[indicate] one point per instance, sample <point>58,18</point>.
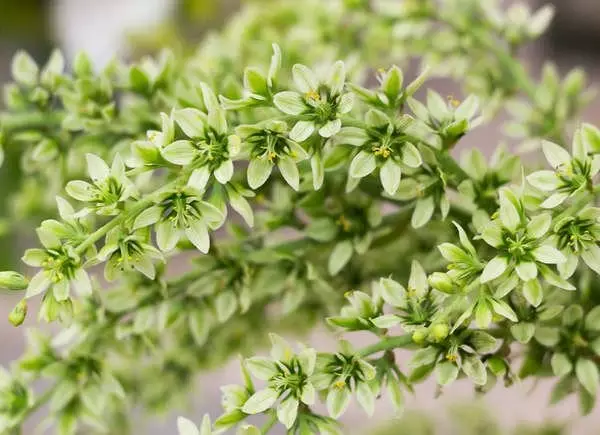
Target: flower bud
<point>13,281</point>
<point>419,335</point>
<point>439,331</point>
<point>18,314</point>
<point>441,282</point>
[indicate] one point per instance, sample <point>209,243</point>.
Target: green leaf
<point>260,401</point>
<point>392,83</point>
<point>256,81</point>
<point>587,375</point>
<point>340,256</point>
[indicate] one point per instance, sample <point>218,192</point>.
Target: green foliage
<point>306,191</point>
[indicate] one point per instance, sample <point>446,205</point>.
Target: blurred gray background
<point>101,28</point>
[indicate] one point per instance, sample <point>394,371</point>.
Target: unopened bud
<point>18,314</point>
<point>442,282</point>
<point>439,331</point>
<point>419,336</point>
<point>13,281</point>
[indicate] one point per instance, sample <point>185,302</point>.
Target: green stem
<point>10,122</point>
<point>270,423</point>
<point>390,343</point>
<point>134,211</point>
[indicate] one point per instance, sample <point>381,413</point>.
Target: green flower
<point>342,373</point>
<point>15,402</point>
<point>520,244</point>
<point>110,187</point>
<point>486,179</point>
<point>181,212</point>
<point>429,192</point>
<point>578,236</point>
<point>288,378</point>
<point>209,149</point>
<point>61,268</point>
<point>414,306</point>
<point>319,104</point>
<point>384,144</point>
<point>570,176</point>
<point>269,146</point>
<point>73,228</point>
<point>458,352</point>
<point>128,252</point>
<point>449,119</point>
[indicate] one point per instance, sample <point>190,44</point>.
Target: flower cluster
<point>349,206</point>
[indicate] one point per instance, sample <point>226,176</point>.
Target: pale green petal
<point>224,172</point>
<point>97,168</point>
<point>289,172</point>
<point>197,233</point>
<point>167,236</point>
<point>259,171</point>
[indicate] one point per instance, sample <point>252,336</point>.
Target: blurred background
<point>126,28</point>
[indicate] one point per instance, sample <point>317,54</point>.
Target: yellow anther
<point>313,95</point>
<point>451,357</point>
<point>339,384</point>
<point>453,101</point>
<point>271,156</point>
<point>344,223</point>
<point>381,151</point>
